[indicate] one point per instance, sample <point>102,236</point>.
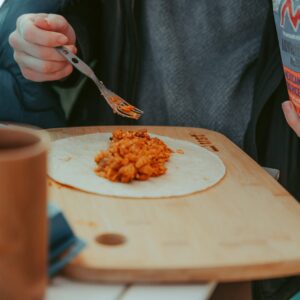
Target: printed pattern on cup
<point>287,20</point>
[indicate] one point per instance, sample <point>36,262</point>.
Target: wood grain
<point>246,227</point>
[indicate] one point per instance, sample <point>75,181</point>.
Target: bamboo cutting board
<point>245,227</point>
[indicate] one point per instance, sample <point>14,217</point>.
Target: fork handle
<point>76,61</point>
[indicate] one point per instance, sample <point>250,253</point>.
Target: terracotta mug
<point>23,220</point>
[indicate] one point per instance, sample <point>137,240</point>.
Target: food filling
<point>132,155</point>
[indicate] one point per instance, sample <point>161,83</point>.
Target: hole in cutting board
<point>111,239</point>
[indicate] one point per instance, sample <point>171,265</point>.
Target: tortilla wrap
<point>71,162</point>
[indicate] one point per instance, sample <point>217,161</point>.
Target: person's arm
<point>291,116</point>
<point>34,42</point>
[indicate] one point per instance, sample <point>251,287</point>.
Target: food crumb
<point>179,151</point>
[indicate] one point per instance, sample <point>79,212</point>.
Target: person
<point>143,50</point>
<point>212,64</point>
<point>40,62</point>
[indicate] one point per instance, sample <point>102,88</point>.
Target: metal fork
<point>118,104</point>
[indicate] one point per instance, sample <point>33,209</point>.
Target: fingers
<point>291,116</point>
<point>35,35</point>
<point>42,77</point>
<point>40,52</point>
<point>34,42</point>
<point>35,64</point>
<point>56,23</point>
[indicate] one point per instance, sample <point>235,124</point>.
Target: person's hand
<point>33,43</point>
<point>291,116</point>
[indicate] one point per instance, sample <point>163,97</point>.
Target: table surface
<point>234,235</point>
<point>64,289</point>
<point>61,288</point>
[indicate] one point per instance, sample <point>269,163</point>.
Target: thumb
<point>57,23</point>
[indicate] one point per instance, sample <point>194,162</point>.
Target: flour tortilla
<point>71,162</point>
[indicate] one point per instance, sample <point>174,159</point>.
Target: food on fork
<point>132,155</point>
<point>125,109</point>
<point>118,104</point>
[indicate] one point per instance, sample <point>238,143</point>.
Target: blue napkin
<point>63,244</point>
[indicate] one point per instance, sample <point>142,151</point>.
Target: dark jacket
<point>23,101</point>
<point>269,140</point>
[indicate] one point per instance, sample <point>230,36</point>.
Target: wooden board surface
<point>245,227</point>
